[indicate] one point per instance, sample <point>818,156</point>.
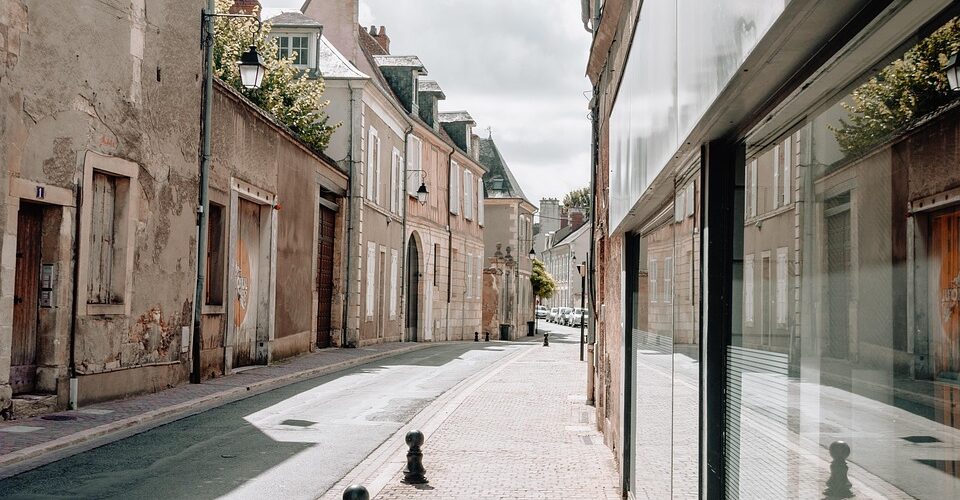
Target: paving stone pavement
<point>525,434</point>
<point>31,438</point>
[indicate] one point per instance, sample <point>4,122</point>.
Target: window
<point>371,277</point>
<point>752,189</point>
<point>414,160</point>
<point>480,201</point>
<point>748,290</point>
<point>668,280</point>
<point>300,45</point>
<point>468,266</point>
<point>679,203</point>
<point>373,165</point>
<point>393,282</point>
<point>653,281</point>
<point>215,256</point>
<point>479,276</point>
<point>454,187</point>
<point>690,201</point>
<point>105,277</point>
<point>782,279</point>
<point>467,194</point>
<point>786,176</point>
<point>396,189</point>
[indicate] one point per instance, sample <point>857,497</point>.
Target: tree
<point>286,93</point>
<point>578,198</point>
<point>901,93</point>
<point>542,282</point>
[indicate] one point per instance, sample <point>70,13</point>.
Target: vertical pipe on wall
<point>350,204</point>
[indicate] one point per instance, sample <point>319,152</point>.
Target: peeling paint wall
<point>120,78</point>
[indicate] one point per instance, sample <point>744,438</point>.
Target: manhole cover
<point>58,418</point>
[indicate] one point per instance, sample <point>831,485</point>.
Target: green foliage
<point>579,198</point>
<point>542,282</point>
<point>286,92</point>
<point>901,93</point>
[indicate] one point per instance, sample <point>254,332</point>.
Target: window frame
<point>372,171</point>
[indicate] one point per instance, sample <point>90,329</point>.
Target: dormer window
<point>299,44</point>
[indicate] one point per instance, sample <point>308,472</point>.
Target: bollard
<point>486,336</point>
<point>356,492</point>
<point>838,485</point>
<point>476,336</point>
<point>413,474</point>
<point>546,339</point>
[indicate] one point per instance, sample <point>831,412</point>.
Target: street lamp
<point>251,69</point>
<point>532,254</point>
<point>422,194</point>
<point>952,69</point>
<point>582,269</point>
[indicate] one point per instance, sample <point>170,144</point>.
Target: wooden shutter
<point>102,235</point>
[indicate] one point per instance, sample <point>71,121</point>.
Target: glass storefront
<point>847,319</point>
<point>665,349</point>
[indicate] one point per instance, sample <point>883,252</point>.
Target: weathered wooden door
<point>325,275</point>
<point>247,278</point>
<point>23,362</point>
<point>945,299</point>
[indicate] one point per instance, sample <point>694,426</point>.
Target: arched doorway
<point>413,290</point>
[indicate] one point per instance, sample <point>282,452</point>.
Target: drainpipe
<point>403,239</point>
<point>446,330</point>
<point>595,162</point>
<point>72,369</point>
<point>350,203</point>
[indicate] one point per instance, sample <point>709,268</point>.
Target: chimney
<point>564,218</point>
<point>576,217</point>
<point>381,37</point>
<point>249,7</point>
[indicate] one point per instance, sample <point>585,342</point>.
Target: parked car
<point>542,312</point>
<point>553,315</point>
<point>578,316</point>
<point>563,315</point>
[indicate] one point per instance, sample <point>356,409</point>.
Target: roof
<point>430,87</point>
<point>389,61</point>
<point>293,20</point>
<point>560,237</point>
<point>333,65</point>
<point>455,117</point>
<point>499,181</point>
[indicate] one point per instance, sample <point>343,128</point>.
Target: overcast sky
<point>516,65</point>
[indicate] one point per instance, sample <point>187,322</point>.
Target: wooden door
<point>325,275</point>
<point>23,362</point>
<point>246,303</point>
<point>413,290</point>
<point>945,298</point>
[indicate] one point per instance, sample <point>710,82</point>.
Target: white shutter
<point>479,276</point>
<point>468,266</point>
<point>467,194</point>
<point>480,201</point>
<point>787,167</point>
<point>414,159</point>
<point>373,160</point>
<point>748,289</point>
<point>752,202</point>
<point>454,188</point>
<point>691,192</point>
<point>371,276</point>
<point>782,286</point>
<point>652,292</point>
<point>776,176</point>
<point>393,284</point>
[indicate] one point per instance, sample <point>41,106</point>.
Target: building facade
<point>508,241</point>
<point>776,246</point>
<point>566,249</point>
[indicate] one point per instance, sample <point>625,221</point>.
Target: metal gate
<point>247,278</point>
<point>23,369</point>
<point>325,245</point>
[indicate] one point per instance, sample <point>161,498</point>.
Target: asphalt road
<point>292,442</point>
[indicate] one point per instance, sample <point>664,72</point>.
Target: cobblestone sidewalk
<point>25,441</point>
<point>525,434</point>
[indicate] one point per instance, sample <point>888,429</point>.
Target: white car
<point>563,315</point>
<point>578,317</point>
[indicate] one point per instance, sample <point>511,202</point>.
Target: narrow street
<point>293,442</point>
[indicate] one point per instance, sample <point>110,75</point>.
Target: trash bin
<point>531,325</point>
<point>504,332</point>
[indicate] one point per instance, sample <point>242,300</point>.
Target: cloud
<point>516,66</point>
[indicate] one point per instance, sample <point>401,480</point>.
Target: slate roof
<point>430,87</point>
<point>400,62</point>
<point>293,20</point>
<point>499,181</point>
<point>332,64</point>
<point>455,117</point>
<point>572,233</point>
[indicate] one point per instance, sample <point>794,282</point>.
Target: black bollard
<point>486,336</point>
<point>546,339</point>
<point>413,474</point>
<point>838,485</point>
<point>356,492</point>
<point>476,336</point>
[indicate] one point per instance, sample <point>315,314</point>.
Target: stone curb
<point>382,464</point>
<point>34,456</point>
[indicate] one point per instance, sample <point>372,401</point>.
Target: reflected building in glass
<point>778,246</point>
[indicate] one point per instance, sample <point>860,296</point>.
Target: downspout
<point>74,381</point>
<point>446,331</point>
<point>403,239</point>
<point>350,203</point>
<point>591,257</point>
